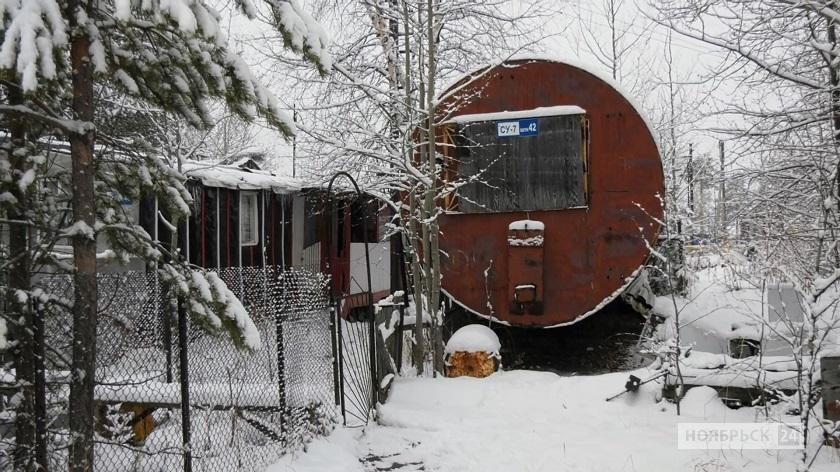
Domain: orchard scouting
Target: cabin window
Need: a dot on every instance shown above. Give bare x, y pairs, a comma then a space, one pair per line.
364, 217
311, 220
544, 169
248, 219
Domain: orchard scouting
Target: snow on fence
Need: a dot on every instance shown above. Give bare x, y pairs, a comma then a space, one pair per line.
246, 409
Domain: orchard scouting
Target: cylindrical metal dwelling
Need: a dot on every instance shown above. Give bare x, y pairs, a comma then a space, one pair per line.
559, 182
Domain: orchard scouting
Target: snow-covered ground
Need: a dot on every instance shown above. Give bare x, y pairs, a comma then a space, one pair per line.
537, 421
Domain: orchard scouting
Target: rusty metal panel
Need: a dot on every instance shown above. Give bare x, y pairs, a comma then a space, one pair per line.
589, 252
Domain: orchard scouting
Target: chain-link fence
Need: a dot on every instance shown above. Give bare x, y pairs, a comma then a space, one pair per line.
246, 409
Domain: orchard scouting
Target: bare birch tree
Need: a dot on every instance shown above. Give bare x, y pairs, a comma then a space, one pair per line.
783, 57
376, 116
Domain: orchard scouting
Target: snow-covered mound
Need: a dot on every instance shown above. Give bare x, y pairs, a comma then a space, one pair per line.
716, 310
474, 338
703, 402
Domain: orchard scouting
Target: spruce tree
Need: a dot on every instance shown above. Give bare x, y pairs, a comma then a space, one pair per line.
54, 56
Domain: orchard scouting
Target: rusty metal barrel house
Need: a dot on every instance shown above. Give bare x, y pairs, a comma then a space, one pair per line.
560, 193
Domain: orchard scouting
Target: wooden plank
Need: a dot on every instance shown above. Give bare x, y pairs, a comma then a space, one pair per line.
202, 406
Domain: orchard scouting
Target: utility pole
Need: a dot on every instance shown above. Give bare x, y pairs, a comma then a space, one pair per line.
722, 232
294, 143
689, 174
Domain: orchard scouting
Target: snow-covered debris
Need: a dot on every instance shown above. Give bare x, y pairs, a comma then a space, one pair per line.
515, 115
703, 402
720, 307
714, 311
473, 338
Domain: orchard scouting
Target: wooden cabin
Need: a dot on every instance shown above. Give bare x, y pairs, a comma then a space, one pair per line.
248, 217
242, 217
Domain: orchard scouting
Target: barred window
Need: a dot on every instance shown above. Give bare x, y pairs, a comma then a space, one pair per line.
542, 170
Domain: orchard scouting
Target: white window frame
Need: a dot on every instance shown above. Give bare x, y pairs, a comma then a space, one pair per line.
246, 198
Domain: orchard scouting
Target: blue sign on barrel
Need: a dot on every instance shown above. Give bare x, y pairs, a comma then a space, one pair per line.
508, 129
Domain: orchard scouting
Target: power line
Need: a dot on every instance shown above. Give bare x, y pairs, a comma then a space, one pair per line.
655, 34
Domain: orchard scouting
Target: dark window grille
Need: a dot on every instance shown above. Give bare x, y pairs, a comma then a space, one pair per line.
523, 173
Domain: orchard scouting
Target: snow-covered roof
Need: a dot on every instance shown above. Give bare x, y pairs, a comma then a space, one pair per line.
232, 177
245, 161
518, 114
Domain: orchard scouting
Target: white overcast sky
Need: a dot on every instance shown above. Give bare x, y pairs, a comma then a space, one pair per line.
646, 62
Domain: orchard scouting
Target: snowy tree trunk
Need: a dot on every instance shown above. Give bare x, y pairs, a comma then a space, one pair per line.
428, 271
417, 284
431, 233
84, 251
19, 307
834, 187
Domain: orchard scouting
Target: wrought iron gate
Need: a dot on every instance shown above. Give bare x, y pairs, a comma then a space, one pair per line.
356, 388
354, 338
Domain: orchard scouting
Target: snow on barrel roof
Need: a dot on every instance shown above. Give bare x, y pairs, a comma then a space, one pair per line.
538, 112
594, 68
237, 178
473, 338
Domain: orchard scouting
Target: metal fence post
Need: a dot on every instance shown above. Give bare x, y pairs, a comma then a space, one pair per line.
374, 380
183, 341
167, 324
336, 373
340, 345
281, 363
41, 447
